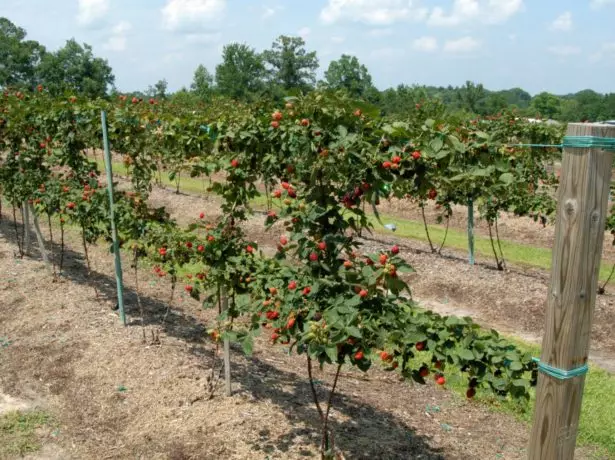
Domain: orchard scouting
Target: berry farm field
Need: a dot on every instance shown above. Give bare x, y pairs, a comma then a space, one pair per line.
257, 235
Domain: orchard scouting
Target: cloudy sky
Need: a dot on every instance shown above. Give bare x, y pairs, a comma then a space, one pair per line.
540, 45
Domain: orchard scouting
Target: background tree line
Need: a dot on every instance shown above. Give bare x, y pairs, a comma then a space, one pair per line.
248, 75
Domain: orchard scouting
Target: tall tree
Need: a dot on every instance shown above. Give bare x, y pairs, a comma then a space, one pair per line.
75, 68
546, 105
241, 73
349, 74
291, 66
202, 83
18, 57
591, 105
494, 103
518, 97
159, 90
470, 95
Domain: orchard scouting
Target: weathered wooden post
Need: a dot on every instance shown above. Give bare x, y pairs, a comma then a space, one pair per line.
579, 232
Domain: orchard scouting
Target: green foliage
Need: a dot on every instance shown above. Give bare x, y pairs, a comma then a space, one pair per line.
470, 96
74, 68
202, 83
349, 74
159, 90
546, 105
241, 73
19, 57
290, 65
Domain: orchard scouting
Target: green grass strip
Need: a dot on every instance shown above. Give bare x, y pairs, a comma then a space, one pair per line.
516, 253
597, 424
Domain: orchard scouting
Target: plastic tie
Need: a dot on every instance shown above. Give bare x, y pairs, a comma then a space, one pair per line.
584, 142
561, 374
577, 142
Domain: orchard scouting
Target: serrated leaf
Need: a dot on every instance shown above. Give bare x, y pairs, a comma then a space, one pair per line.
353, 332
331, 353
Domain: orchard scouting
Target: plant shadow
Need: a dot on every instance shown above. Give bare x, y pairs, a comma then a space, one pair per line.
361, 430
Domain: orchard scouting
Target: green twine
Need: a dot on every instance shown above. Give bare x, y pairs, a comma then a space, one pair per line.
559, 146
578, 142
584, 142
560, 374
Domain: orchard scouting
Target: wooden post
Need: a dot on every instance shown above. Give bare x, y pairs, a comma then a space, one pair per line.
579, 232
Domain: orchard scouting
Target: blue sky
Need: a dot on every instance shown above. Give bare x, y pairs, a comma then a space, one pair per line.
540, 45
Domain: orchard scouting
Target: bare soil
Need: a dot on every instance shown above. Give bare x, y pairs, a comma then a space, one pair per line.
116, 396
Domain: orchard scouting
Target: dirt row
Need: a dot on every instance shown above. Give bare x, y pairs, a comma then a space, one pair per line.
112, 396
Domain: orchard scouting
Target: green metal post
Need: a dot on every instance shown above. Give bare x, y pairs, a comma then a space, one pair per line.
471, 230
116, 243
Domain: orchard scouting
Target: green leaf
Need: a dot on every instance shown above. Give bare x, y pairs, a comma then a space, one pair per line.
516, 366
332, 353
353, 301
405, 269
248, 345
466, 354
436, 144
455, 321
353, 332
507, 178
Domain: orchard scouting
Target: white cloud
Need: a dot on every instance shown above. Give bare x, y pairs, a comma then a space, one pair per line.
426, 44
338, 39
380, 32
204, 39
118, 38
483, 11
386, 53
564, 50
191, 15
380, 12
91, 11
600, 3
562, 22
607, 49
270, 11
461, 45
304, 32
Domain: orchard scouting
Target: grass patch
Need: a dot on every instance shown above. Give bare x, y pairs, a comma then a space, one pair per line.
597, 424
515, 253
19, 432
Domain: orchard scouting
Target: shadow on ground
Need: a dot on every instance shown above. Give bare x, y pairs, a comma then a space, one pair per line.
361, 430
